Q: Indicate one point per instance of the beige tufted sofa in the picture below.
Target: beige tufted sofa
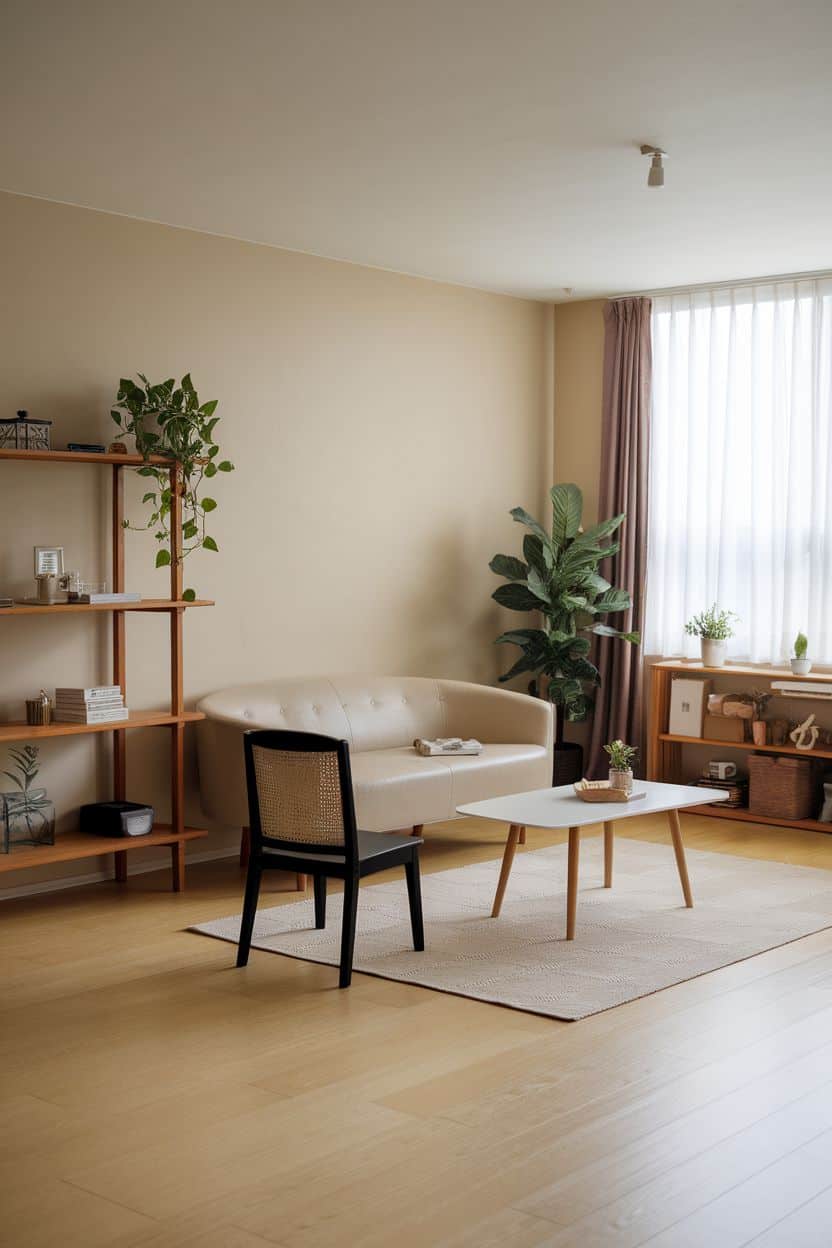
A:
(380, 716)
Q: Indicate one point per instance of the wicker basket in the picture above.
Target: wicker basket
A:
(782, 788)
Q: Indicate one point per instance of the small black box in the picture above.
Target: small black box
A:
(117, 819)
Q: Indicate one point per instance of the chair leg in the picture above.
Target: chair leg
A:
(249, 911)
(348, 931)
(245, 847)
(414, 896)
(319, 884)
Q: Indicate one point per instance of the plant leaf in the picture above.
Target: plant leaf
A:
(189, 595)
(604, 630)
(208, 504)
(163, 558)
(596, 534)
(509, 567)
(226, 466)
(567, 508)
(516, 597)
(538, 586)
(524, 664)
(522, 517)
(210, 544)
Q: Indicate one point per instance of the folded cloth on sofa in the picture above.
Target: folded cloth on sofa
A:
(446, 745)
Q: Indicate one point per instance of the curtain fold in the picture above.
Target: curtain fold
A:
(741, 467)
(625, 441)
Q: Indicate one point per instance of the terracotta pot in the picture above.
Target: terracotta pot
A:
(621, 779)
(759, 732)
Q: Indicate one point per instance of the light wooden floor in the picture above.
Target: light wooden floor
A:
(152, 1095)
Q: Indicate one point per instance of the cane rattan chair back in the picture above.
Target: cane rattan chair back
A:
(300, 792)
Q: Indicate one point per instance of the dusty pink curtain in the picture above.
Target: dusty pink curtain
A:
(624, 483)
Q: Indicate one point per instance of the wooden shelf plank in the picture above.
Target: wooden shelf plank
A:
(83, 457)
(78, 608)
(18, 730)
(747, 747)
(695, 668)
(73, 845)
(745, 816)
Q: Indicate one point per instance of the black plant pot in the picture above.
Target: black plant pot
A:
(568, 763)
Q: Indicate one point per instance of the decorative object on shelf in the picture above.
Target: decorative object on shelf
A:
(28, 815)
(779, 731)
(718, 769)
(24, 433)
(806, 734)
(818, 690)
(713, 628)
(621, 758)
(735, 786)
(87, 448)
(49, 559)
(759, 727)
(825, 815)
(102, 704)
(801, 666)
(89, 595)
(780, 787)
(688, 698)
(117, 819)
(605, 791)
(726, 728)
(118, 448)
(39, 710)
(49, 590)
(168, 420)
(559, 577)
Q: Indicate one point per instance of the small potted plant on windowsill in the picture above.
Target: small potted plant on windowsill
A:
(713, 628)
(621, 758)
(801, 666)
(759, 726)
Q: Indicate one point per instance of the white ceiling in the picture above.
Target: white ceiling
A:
(487, 142)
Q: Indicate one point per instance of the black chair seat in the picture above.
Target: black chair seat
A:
(372, 846)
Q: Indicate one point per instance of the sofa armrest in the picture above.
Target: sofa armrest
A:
(497, 715)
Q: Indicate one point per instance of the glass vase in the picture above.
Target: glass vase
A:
(27, 819)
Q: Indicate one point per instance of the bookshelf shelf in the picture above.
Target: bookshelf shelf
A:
(77, 845)
(664, 749)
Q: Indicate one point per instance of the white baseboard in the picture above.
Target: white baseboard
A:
(96, 877)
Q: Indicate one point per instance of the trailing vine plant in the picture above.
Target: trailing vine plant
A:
(169, 420)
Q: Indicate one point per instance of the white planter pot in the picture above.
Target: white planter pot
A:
(621, 779)
(801, 667)
(713, 652)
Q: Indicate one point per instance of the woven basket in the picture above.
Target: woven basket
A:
(782, 788)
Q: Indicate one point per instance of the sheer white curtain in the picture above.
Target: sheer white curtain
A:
(741, 467)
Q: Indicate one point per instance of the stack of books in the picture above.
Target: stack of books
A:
(102, 704)
(736, 788)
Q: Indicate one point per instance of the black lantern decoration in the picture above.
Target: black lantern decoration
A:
(25, 434)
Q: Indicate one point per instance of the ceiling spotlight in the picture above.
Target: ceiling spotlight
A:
(656, 175)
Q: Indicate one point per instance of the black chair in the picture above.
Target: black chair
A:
(302, 819)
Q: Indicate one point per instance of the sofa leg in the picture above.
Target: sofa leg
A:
(417, 829)
(522, 837)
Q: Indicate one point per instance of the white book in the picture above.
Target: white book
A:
(89, 599)
(91, 717)
(446, 746)
(94, 691)
(803, 688)
(83, 708)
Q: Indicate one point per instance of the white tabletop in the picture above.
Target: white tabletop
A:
(562, 808)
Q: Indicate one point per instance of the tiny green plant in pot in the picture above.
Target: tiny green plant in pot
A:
(168, 419)
(28, 814)
(759, 726)
(714, 629)
(801, 666)
(621, 758)
(558, 577)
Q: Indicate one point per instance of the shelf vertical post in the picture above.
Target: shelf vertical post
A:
(119, 653)
(177, 702)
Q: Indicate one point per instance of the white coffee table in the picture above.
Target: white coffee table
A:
(562, 808)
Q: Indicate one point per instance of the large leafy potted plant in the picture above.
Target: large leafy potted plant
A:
(558, 577)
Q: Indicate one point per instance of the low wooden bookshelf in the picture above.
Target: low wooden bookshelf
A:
(664, 750)
(70, 846)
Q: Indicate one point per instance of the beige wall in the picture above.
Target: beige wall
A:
(579, 360)
(382, 427)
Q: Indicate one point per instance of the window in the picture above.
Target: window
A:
(741, 467)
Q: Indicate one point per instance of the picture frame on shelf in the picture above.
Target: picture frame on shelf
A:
(688, 699)
(49, 560)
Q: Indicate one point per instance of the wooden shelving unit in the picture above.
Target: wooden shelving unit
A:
(75, 845)
(664, 749)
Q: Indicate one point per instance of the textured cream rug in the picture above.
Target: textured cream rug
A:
(631, 940)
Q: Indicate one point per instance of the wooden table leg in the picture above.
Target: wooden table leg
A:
(177, 862)
(572, 882)
(121, 866)
(679, 851)
(609, 834)
(521, 840)
(505, 870)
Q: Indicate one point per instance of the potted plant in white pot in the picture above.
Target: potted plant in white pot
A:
(759, 727)
(621, 758)
(713, 628)
(801, 666)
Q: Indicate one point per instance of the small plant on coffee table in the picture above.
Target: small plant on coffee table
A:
(620, 755)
